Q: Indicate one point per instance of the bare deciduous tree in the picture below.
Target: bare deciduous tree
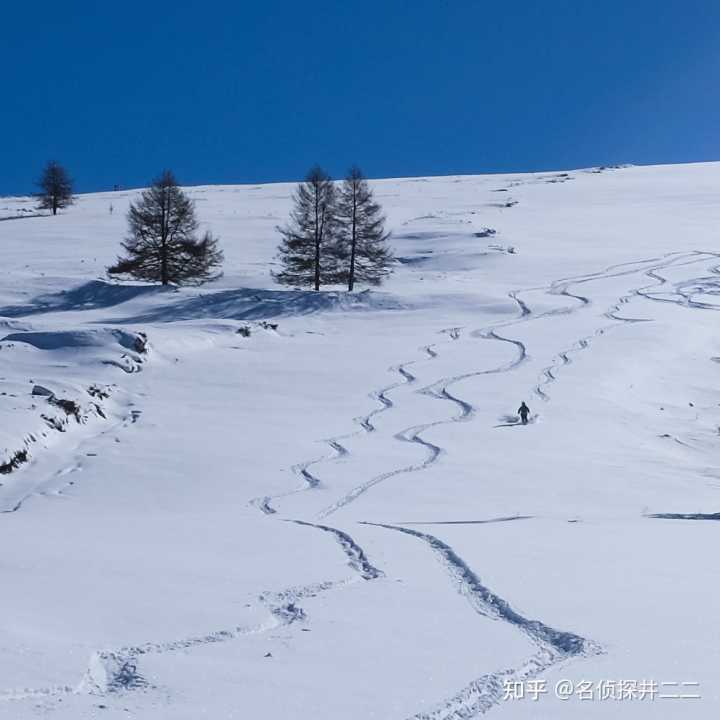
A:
(163, 245)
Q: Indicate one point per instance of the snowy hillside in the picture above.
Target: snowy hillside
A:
(338, 516)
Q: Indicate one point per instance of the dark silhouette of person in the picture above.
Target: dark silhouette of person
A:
(523, 412)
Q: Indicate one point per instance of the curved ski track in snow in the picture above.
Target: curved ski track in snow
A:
(115, 670)
(440, 389)
(684, 290)
(548, 374)
(366, 426)
(357, 559)
(554, 646)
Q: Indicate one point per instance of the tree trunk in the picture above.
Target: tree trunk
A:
(317, 261)
(318, 236)
(55, 204)
(353, 239)
(163, 241)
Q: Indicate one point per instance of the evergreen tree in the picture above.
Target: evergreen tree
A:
(163, 245)
(361, 232)
(309, 251)
(55, 188)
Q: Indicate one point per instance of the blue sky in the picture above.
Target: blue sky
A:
(225, 92)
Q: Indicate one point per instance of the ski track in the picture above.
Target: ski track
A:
(553, 646)
(685, 516)
(311, 481)
(111, 671)
(439, 390)
(684, 290)
(357, 559)
(468, 522)
(548, 374)
(114, 670)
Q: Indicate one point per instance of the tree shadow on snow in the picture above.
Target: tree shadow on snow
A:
(258, 304)
(92, 295)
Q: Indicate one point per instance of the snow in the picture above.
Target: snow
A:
(339, 516)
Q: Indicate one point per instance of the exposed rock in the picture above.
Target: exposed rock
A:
(42, 391)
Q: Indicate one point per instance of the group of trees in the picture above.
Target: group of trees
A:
(335, 234)
(162, 243)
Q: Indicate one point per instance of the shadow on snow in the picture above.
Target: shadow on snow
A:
(235, 304)
(92, 295)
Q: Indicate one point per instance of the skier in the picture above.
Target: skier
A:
(523, 412)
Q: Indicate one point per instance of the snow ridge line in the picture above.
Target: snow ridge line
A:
(554, 646)
(112, 671)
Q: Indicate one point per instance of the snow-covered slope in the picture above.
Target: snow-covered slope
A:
(338, 516)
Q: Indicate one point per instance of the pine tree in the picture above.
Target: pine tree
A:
(163, 245)
(55, 188)
(361, 232)
(309, 251)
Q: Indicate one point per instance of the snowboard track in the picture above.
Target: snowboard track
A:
(553, 646)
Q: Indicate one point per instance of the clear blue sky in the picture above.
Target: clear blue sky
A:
(225, 92)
